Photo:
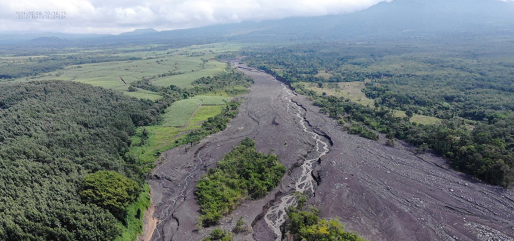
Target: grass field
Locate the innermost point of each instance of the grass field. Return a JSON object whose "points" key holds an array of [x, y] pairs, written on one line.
{"points": [[420, 119], [353, 92], [185, 80], [348, 90], [186, 65], [108, 74], [212, 99], [162, 138], [179, 112], [144, 94], [205, 112]]}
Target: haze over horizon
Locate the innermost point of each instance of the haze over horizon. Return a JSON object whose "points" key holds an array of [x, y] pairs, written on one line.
{"points": [[114, 17]]}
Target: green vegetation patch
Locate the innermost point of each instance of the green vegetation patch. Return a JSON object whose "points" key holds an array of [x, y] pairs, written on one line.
{"points": [[206, 112], [119, 67], [212, 100], [54, 134], [144, 94], [305, 224], [179, 112], [348, 90], [135, 215], [243, 173], [150, 141], [425, 120], [434, 96], [185, 79], [109, 190], [358, 129], [219, 235]]}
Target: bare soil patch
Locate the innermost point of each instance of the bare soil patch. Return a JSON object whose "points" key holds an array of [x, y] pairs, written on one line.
{"points": [[149, 224]]}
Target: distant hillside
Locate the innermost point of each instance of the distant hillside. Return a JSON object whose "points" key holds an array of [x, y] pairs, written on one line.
{"points": [[399, 18], [16, 38], [140, 31], [47, 40]]}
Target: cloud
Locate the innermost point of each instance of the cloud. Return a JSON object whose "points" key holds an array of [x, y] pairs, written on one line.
{"points": [[116, 16]]}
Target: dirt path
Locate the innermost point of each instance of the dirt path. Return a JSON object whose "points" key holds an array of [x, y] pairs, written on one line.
{"points": [[381, 192], [149, 224]]}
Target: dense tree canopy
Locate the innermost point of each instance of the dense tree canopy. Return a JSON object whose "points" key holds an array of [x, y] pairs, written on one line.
{"points": [[304, 223], [242, 173], [61, 139], [52, 135], [109, 190]]}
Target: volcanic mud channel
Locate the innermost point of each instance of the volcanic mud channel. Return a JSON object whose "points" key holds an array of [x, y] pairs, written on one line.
{"points": [[276, 215], [383, 193]]}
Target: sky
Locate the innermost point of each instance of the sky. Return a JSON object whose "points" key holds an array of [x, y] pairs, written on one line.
{"points": [[117, 16]]}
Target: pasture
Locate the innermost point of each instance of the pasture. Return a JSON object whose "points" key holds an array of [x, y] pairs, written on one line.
{"points": [[175, 66], [165, 136], [348, 90], [353, 92]]}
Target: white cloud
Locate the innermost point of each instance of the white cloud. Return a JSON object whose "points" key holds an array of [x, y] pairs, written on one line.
{"points": [[115, 16]]}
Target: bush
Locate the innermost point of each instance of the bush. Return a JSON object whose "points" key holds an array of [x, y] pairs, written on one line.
{"points": [[110, 190], [391, 142], [241, 226], [304, 224], [219, 234], [242, 173]]}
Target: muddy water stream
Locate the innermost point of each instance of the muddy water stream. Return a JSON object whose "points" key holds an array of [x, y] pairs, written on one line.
{"points": [[276, 215]]}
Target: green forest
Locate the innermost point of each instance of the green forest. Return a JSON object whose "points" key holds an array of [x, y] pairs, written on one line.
{"points": [[37, 65], [469, 88], [55, 137], [66, 170], [243, 173]]}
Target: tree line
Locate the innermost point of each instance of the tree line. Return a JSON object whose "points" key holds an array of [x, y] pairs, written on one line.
{"points": [[53, 135], [38, 65], [471, 93], [64, 169]]}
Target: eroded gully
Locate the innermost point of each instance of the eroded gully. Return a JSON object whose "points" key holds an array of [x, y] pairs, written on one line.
{"points": [[277, 215], [389, 193]]}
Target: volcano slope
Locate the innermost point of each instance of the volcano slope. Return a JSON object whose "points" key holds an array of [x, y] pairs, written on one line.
{"points": [[381, 192]]}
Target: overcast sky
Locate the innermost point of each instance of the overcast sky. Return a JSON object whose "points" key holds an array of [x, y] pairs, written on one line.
{"points": [[116, 16]]}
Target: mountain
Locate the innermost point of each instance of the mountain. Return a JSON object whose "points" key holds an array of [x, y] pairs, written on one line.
{"points": [[47, 40], [139, 32], [17, 38], [399, 18], [386, 20]]}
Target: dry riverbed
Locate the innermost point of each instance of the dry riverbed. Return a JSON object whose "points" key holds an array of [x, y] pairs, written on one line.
{"points": [[384, 193]]}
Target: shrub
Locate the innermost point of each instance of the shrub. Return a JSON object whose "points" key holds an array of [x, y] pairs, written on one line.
{"points": [[109, 190]]}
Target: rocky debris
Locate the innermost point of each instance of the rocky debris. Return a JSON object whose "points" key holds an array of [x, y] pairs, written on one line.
{"points": [[316, 174], [383, 193]]}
